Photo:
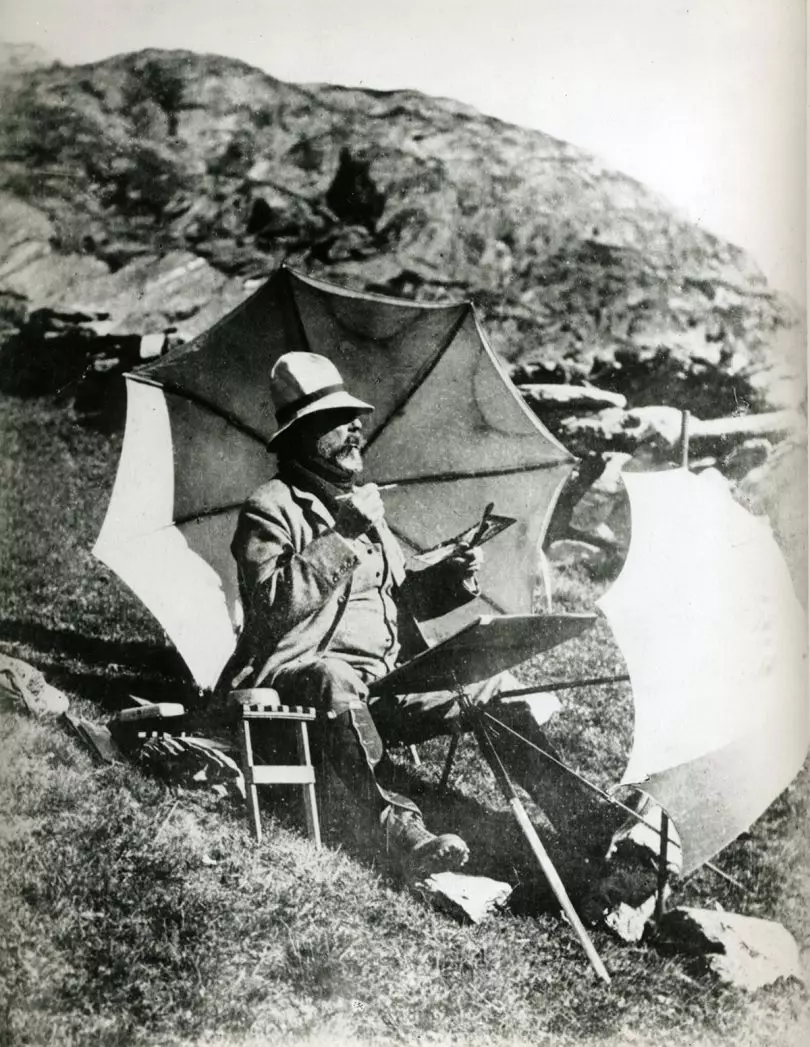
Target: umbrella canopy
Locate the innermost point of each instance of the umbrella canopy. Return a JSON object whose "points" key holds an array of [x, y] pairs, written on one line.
{"points": [[715, 643], [449, 429]]}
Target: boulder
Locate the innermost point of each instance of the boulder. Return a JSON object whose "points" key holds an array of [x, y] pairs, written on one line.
{"points": [[469, 898], [629, 922], [572, 550], [605, 498], [545, 396], [595, 433], [24, 688], [657, 428], [700, 465], [152, 345], [744, 951], [749, 455], [715, 435]]}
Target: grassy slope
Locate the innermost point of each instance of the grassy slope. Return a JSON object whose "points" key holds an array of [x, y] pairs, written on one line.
{"points": [[131, 914]]}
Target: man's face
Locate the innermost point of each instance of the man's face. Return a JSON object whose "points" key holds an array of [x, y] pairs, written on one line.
{"points": [[336, 439]]}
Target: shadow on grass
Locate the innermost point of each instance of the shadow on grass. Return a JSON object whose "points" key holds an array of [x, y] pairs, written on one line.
{"points": [[134, 655], [497, 844], [498, 848], [102, 671]]}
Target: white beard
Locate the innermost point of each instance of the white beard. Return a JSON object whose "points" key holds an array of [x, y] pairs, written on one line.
{"points": [[350, 459]]}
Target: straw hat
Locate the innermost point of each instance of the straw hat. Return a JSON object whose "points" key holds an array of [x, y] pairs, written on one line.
{"points": [[302, 384]]}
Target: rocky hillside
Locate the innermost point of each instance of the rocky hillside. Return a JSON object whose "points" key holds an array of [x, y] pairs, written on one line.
{"points": [[152, 191]]}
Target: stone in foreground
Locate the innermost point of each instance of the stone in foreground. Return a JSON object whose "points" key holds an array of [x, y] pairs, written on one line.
{"points": [[743, 951], [463, 896]]}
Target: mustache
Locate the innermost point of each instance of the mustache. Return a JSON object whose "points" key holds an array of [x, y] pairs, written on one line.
{"points": [[353, 441]]}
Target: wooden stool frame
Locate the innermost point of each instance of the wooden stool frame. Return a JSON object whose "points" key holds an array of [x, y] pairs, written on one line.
{"points": [[257, 706]]}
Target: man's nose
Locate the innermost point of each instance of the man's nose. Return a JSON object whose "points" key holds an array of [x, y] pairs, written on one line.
{"points": [[355, 425]]}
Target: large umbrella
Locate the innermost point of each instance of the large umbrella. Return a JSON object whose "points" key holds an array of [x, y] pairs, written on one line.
{"points": [[715, 642], [449, 430]]}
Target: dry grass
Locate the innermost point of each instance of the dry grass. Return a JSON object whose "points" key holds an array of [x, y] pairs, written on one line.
{"points": [[131, 914]]}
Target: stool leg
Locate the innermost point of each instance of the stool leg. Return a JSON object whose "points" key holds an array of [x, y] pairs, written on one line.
{"points": [[251, 793], [310, 800]]}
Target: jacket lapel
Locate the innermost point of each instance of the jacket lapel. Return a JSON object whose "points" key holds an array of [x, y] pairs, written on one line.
{"points": [[310, 502]]}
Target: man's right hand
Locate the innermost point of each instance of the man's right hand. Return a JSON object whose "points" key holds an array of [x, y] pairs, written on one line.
{"points": [[360, 511]]}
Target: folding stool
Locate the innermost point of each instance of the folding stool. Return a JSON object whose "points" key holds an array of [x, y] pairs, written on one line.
{"points": [[259, 705]]}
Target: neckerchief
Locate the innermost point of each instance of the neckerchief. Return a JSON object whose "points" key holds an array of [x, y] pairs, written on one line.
{"points": [[320, 479]]}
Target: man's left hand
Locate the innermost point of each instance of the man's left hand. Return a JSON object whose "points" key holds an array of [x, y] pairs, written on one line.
{"points": [[467, 562]]}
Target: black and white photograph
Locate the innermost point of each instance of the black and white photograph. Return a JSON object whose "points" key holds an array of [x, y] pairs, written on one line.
{"points": [[403, 524]]}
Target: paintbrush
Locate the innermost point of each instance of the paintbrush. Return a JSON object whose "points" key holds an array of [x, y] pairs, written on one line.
{"points": [[380, 487]]}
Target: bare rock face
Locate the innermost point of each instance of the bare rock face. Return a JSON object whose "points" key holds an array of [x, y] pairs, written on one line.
{"points": [[580, 273], [30, 264]]}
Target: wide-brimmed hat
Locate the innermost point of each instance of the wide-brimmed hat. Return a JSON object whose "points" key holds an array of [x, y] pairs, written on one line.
{"points": [[302, 384]]}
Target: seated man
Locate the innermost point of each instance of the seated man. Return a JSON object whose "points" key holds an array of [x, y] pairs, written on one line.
{"points": [[329, 607]]}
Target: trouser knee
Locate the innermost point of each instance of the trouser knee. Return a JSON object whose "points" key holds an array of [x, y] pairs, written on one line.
{"points": [[328, 684], [347, 734]]}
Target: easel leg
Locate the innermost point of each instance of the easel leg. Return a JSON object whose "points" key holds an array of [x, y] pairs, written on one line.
{"points": [[448, 763], [539, 851]]}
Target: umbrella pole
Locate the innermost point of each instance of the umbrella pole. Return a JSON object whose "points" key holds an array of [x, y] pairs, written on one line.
{"points": [[479, 729], [663, 869], [559, 685], [685, 439]]}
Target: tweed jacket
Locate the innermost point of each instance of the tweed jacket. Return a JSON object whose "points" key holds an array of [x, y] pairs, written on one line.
{"points": [[295, 578]]}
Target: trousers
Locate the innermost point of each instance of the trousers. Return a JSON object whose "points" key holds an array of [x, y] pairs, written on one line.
{"points": [[354, 735]]}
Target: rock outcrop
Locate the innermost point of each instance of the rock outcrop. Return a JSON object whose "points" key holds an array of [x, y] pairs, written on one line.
{"points": [[116, 174]]}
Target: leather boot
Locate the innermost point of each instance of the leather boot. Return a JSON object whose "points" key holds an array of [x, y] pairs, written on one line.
{"points": [[419, 851]]}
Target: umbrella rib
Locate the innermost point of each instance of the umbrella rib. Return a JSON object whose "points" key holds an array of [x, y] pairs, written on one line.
{"points": [[407, 481], [206, 514], [374, 296], [200, 401], [438, 478], [424, 374], [302, 331]]}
